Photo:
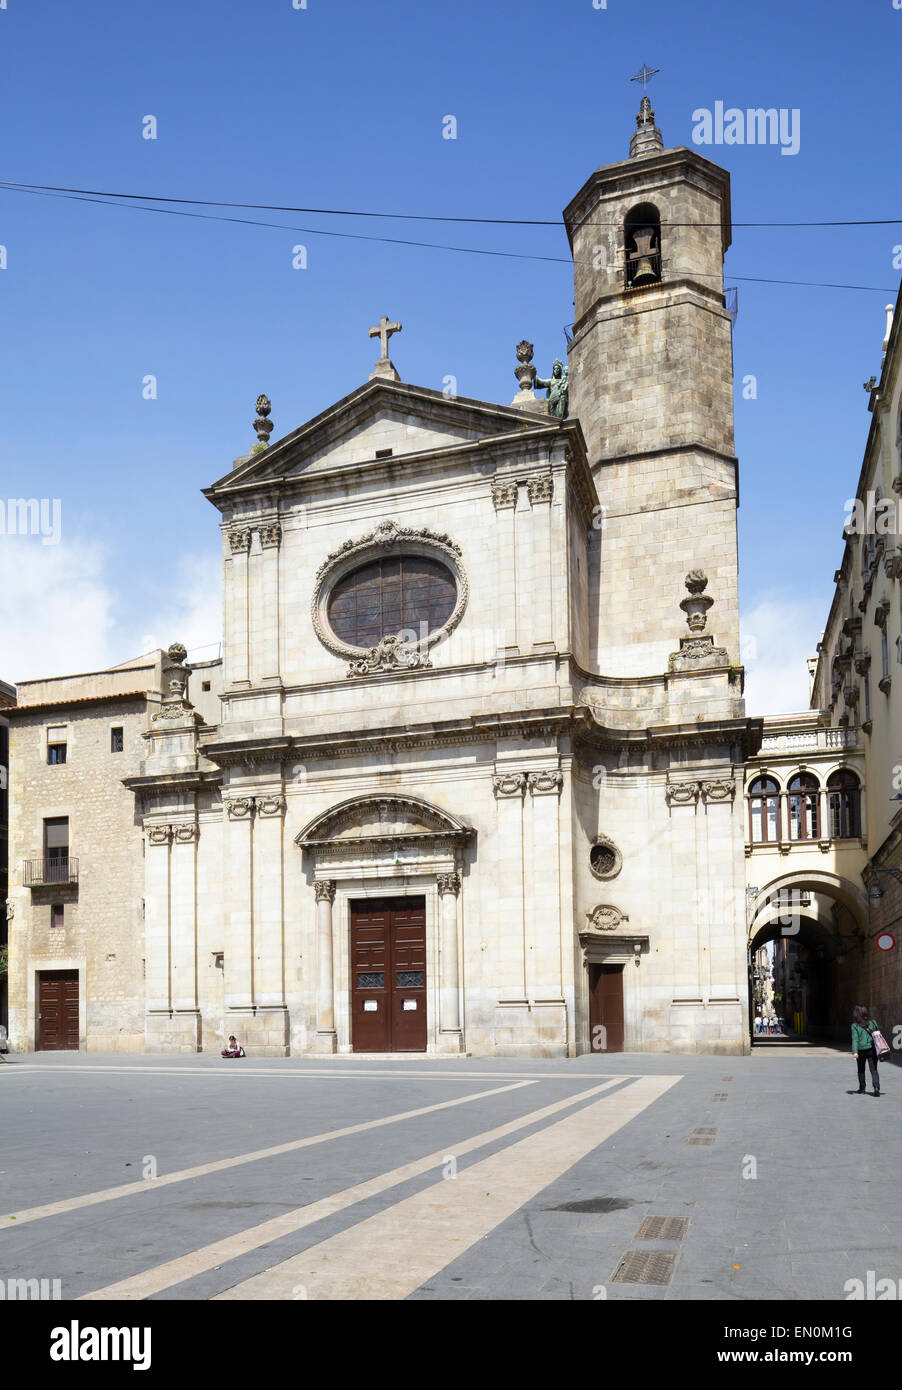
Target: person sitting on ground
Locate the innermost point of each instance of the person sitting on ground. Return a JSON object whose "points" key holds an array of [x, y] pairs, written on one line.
{"points": [[233, 1050]]}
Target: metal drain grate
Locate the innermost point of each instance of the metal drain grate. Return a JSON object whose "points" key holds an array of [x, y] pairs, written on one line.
{"points": [[695, 1139], [663, 1228], [644, 1267], [704, 1131], [720, 1095]]}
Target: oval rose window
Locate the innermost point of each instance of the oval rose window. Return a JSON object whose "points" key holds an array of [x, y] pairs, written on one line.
{"points": [[402, 593]]}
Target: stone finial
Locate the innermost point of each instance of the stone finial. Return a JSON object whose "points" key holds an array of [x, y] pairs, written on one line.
{"points": [[176, 705], [383, 331], [525, 373], [697, 604], [262, 425], [647, 139]]}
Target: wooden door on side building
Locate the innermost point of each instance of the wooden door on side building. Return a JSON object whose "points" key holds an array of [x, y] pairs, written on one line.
{"points": [[606, 1008], [58, 1011], [388, 974]]}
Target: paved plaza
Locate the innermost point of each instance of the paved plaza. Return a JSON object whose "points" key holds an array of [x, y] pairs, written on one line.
{"points": [[743, 1178]]}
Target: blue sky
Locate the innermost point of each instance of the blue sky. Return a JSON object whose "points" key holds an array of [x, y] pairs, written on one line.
{"points": [[341, 105]]}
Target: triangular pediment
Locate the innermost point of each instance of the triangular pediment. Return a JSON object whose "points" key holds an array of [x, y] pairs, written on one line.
{"points": [[381, 416]]}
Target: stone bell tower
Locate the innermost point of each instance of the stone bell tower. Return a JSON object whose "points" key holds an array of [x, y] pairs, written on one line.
{"points": [[651, 380]]}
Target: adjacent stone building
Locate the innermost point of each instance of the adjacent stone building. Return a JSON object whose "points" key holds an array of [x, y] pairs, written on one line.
{"points": [[858, 676], [473, 776]]}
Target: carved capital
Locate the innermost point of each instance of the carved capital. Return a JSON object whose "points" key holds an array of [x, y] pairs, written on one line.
{"points": [[509, 783], [269, 805], [240, 540], [681, 793], [159, 834], [324, 888], [448, 883], [504, 494], [719, 791], [605, 917], [541, 783], [239, 807], [270, 535], [186, 834], [539, 488]]}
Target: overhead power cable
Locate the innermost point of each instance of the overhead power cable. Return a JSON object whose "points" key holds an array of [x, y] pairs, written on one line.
{"points": [[418, 216], [145, 206]]}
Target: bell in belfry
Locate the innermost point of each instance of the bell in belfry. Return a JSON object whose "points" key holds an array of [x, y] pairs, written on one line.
{"points": [[643, 268]]}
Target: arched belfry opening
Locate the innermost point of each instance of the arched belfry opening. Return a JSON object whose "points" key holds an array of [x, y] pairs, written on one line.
{"points": [[642, 246]]}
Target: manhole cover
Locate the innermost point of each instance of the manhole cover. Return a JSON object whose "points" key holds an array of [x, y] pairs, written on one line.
{"points": [[704, 1131], [641, 1267], [721, 1095], [663, 1228], [697, 1139]]}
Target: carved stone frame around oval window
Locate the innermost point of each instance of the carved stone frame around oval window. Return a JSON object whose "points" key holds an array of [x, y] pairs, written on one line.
{"points": [[386, 539], [604, 842]]}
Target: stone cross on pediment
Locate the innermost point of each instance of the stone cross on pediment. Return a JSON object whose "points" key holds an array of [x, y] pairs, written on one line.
{"points": [[383, 331]]}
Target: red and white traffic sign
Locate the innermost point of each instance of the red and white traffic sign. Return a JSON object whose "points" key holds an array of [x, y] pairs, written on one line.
{"points": [[885, 941]]}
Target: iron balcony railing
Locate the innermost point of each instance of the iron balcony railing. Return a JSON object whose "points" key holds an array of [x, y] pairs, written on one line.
{"points": [[37, 872]]}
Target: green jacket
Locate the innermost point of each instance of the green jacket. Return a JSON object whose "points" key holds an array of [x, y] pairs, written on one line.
{"points": [[861, 1038]]}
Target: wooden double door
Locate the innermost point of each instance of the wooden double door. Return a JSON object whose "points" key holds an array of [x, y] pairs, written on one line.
{"points": [[388, 974], [606, 1008], [58, 1011]]}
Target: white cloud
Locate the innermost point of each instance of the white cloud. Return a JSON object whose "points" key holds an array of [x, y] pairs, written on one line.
{"points": [[187, 609], [58, 608], [64, 612], [778, 635]]}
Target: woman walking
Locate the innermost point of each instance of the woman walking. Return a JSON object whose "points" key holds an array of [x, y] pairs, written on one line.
{"points": [[863, 1048]]}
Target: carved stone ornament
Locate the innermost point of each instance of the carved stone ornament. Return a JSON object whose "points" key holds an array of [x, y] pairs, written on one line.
{"points": [[270, 535], [390, 654], [269, 805], [696, 654], [541, 783], [239, 540], [10, 909], [262, 425], [159, 834], [681, 793], [387, 536], [719, 791], [448, 883], [892, 562], [324, 888], [525, 372], [186, 834], [509, 783], [605, 917], [697, 604], [504, 494], [239, 807], [540, 488]]}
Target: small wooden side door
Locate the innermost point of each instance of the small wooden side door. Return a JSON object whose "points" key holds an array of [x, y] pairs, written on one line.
{"points": [[606, 1008], [58, 1011]]}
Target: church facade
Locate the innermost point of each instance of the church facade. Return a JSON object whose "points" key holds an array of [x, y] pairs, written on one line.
{"points": [[475, 779]]}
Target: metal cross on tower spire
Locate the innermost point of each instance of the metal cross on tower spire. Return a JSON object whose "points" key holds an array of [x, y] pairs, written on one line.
{"points": [[644, 76]]}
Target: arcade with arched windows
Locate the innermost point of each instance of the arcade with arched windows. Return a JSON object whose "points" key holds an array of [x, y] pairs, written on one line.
{"points": [[802, 805]]}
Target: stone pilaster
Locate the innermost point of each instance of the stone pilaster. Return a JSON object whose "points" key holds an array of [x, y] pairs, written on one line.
{"points": [[326, 1037], [238, 606], [449, 988]]}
